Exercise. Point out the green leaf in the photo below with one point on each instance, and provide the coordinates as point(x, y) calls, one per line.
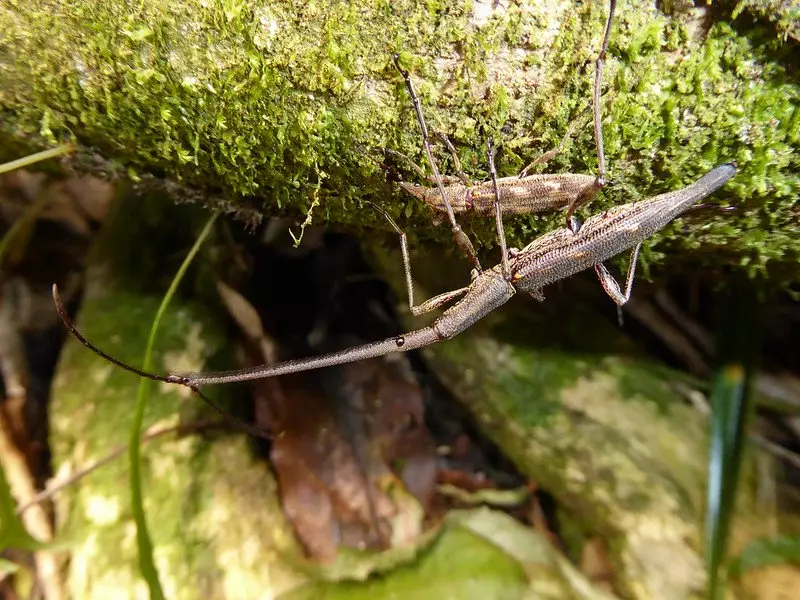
point(7, 567)
point(143, 541)
point(767, 551)
point(478, 554)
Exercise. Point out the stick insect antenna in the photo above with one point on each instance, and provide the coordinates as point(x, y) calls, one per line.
point(598, 82)
point(459, 236)
point(235, 422)
point(600, 181)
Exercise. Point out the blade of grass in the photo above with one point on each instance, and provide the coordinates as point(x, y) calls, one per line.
point(34, 210)
point(143, 540)
point(37, 157)
point(739, 347)
point(727, 402)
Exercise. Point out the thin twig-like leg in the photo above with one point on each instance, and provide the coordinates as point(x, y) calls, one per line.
point(418, 170)
point(432, 303)
point(576, 123)
point(610, 284)
point(458, 234)
point(462, 177)
point(498, 213)
point(600, 181)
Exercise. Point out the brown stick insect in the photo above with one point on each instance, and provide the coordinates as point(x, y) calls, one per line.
point(522, 193)
point(550, 258)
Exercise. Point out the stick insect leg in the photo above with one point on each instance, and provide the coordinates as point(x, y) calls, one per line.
point(432, 303)
point(498, 213)
point(610, 284)
point(600, 181)
point(458, 234)
point(540, 160)
point(462, 177)
point(418, 170)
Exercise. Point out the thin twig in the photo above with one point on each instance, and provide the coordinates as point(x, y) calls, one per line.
point(692, 328)
point(700, 402)
point(674, 338)
point(776, 449)
point(115, 453)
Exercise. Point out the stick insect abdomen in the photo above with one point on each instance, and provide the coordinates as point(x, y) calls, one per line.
point(561, 254)
point(457, 194)
point(654, 214)
point(534, 193)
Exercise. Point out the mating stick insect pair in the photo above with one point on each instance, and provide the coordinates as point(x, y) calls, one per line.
point(549, 258)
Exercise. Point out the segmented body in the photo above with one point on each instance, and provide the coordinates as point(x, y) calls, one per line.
point(560, 253)
point(534, 193)
point(549, 258)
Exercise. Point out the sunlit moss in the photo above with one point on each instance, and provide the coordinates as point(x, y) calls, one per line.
point(254, 100)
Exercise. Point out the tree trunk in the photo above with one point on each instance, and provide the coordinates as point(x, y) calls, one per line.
point(262, 107)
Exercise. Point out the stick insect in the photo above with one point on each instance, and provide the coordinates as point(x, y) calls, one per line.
point(522, 193)
point(549, 258)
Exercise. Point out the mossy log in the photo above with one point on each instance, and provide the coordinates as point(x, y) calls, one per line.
point(264, 107)
point(569, 399)
point(213, 514)
point(614, 443)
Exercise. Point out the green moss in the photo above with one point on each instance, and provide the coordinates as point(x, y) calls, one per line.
point(257, 103)
point(784, 14)
point(615, 459)
point(646, 382)
point(205, 499)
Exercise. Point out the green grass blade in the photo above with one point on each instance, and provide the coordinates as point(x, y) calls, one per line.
point(739, 347)
point(727, 405)
point(144, 543)
point(34, 158)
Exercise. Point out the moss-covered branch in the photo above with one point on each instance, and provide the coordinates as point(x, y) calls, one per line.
point(263, 104)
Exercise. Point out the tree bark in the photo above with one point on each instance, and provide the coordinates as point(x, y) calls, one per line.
point(263, 107)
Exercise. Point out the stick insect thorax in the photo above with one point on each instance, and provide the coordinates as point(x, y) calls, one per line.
point(518, 196)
